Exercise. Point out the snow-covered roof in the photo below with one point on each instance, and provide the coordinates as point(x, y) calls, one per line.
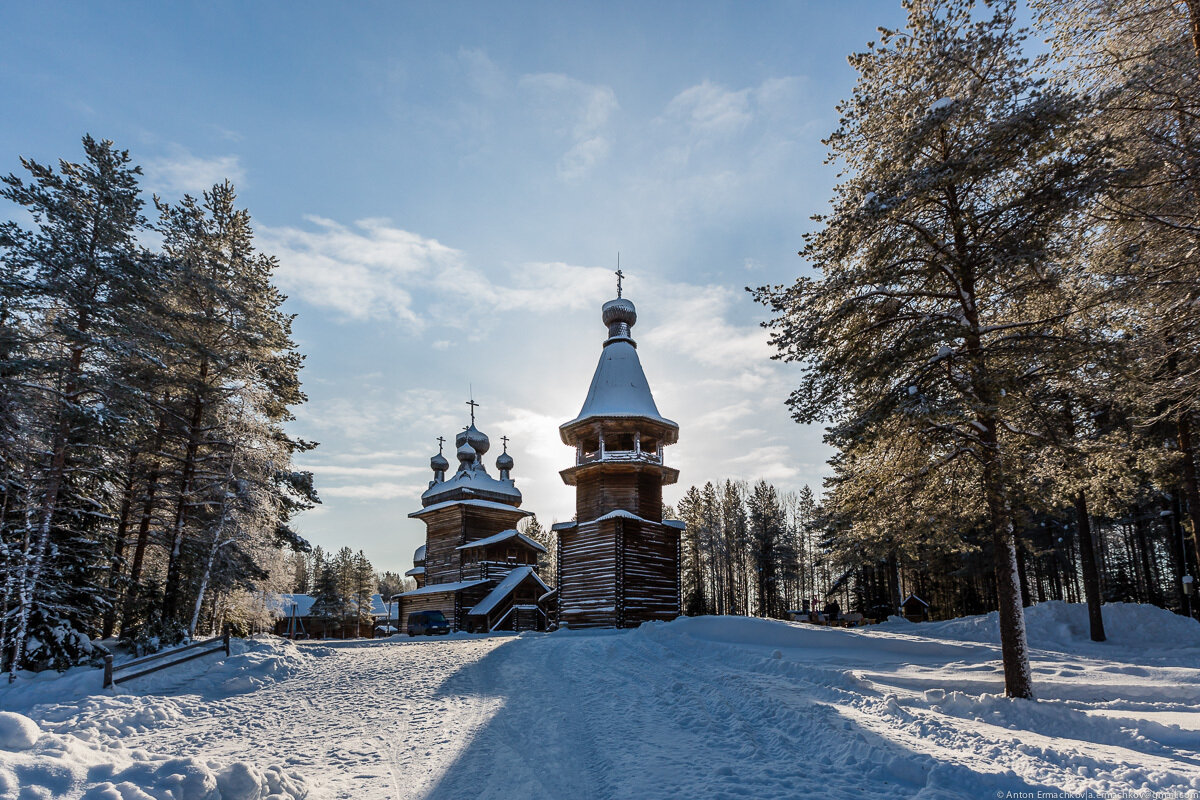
point(564, 526)
point(415, 571)
point(678, 524)
point(914, 597)
point(505, 588)
point(419, 555)
point(502, 536)
point(283, 606)
point(473, 478)
point(304, 603)
point(473, 503)
point(437, 588)
point(619, 389)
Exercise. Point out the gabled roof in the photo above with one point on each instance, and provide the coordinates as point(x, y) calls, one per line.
point(505, 588)
point(415, 571)
point(619, 389)
point(914, 597)
point(438, 588)
point(502, 536)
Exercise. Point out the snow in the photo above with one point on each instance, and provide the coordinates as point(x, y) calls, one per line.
point(940, 104)
point(723, 707)
point(436, 588)
point(17, 732)
point(619, 389)
point(78, 745)
point(505, 588)
point(474, 503)
point(502, 536)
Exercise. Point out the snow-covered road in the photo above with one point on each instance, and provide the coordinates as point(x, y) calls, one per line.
point(699, 708)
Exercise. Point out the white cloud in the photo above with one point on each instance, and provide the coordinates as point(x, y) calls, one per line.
point(579, 112)
point(181, 172)
point(711, 109)
point(374, 270)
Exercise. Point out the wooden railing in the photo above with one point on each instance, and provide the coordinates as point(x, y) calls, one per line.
point(204, 648)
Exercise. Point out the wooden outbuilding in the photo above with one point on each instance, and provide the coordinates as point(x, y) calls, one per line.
point(914, 609)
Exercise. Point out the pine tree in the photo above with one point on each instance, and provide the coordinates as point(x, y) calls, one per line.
point(79, 277)
point(940, 282)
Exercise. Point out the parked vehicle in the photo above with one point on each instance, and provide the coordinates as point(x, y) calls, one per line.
point(427, 623)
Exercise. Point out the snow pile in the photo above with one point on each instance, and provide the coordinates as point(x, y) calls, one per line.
point(1056, 625)
point(78, 750)
point(67, 767)
point(17, 732)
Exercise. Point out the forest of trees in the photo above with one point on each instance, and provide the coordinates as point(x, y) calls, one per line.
point(1002, 325)
point(341, 585)
point(146, 374)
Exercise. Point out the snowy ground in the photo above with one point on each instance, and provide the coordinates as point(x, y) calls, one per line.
point(699, 708)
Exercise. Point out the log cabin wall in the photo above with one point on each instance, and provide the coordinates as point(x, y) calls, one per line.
point(442, 601)
point(603, 487)
point(650, 574)
point(587, 593)
point(456, 525)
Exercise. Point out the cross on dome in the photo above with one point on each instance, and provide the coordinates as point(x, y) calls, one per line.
point(441, 440)
point(473, 406)
point(620, 276)
point(505, 440)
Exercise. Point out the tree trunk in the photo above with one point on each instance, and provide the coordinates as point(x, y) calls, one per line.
point(1194, 13)
point(1179, 550)
point(1014, 647)
point(1091, 576)
point(172, 590)
point(110, 616)
point(1191, 493)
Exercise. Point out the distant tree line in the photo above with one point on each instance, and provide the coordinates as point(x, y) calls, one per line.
point(341, 585)
point(146, 480)
point(1002, 329)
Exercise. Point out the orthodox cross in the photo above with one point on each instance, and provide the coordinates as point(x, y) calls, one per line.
point(505, 440)
point(473, 406)
point(441, 440)
point(620, 275)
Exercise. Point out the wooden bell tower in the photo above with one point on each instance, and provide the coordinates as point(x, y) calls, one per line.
point(618, 562)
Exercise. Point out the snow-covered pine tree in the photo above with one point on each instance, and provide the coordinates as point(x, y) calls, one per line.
point(83, 278)
point(765, 531)
point(234, 359)
point(937, 265)
point(1141, 58)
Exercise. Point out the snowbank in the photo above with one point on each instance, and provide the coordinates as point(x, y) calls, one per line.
point(76, 750)
point(66, 767)
point(1062, 626)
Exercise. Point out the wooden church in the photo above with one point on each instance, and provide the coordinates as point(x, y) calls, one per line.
point(619, 561)
point(475, 567)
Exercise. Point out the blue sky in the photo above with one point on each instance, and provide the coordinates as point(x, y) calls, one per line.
point(447, 187)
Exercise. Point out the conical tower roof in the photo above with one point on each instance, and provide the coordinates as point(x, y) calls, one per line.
point(619, 387)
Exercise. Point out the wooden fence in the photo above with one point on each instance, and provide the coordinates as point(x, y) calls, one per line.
point(170, 659)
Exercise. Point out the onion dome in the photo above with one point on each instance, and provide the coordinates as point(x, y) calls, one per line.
point(439, 463)
point(476, 438)
point(504, 462)
point(619, 315)
point(466, 454)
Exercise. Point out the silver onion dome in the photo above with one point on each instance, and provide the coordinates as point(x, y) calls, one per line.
point(466, 454)
point(439, 463)
point(504, 462)
point(619, 315)
point(476, 438)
